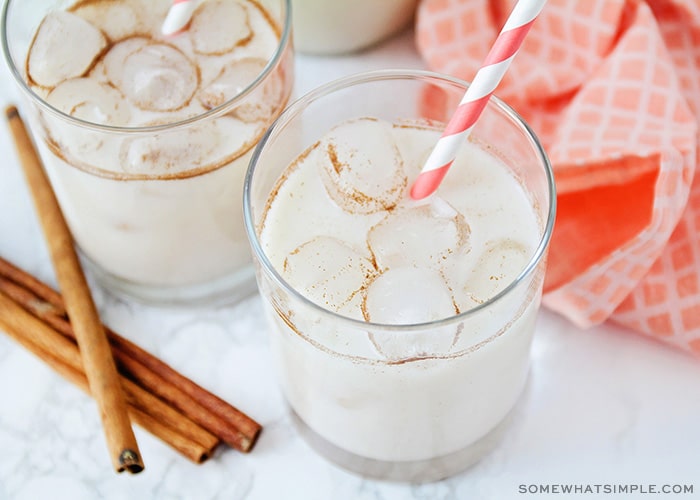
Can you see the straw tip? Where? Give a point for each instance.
(418, 192)
(429, 181)
(424, 186)
(178, 18)
(170, 32)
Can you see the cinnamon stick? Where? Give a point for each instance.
(43, 310)
(32, 284)
(61, 354)
(232, 426)
(194, 451)
(99, 366)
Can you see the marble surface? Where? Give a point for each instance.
(604, 406)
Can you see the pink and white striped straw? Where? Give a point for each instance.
(178, 17)
(477, 95)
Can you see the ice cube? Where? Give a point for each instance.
(116, 18)
(153, 76)
(405, 296)
(231, 81)
(113, 61)
(499, 264)
(264, 103)
(65, 46)
(90, 100)
(259, 105)
(329, 272)
(408, 295)
(361, 167)
(423, 235)
(219, 26)
(172, 152)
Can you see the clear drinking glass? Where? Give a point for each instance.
(153, 194)
(400, 415)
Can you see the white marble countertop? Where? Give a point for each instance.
(604, 406)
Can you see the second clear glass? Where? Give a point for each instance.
(148, 171)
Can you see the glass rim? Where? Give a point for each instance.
(284, 42)
(395, 74)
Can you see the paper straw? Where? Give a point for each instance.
(178, 17)
(477, 95)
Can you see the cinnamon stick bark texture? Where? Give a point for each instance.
(63, 356)
(97, 360)
(229, 424)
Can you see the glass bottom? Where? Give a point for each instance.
(228, 289)
(418, 471)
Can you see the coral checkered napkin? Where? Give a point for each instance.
(612, 88)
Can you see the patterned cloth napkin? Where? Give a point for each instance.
(612, 88)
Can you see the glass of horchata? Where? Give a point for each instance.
(400, 329)
(146, 137)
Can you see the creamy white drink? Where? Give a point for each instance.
(155, 202)
(339, 228)
(342, 26)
